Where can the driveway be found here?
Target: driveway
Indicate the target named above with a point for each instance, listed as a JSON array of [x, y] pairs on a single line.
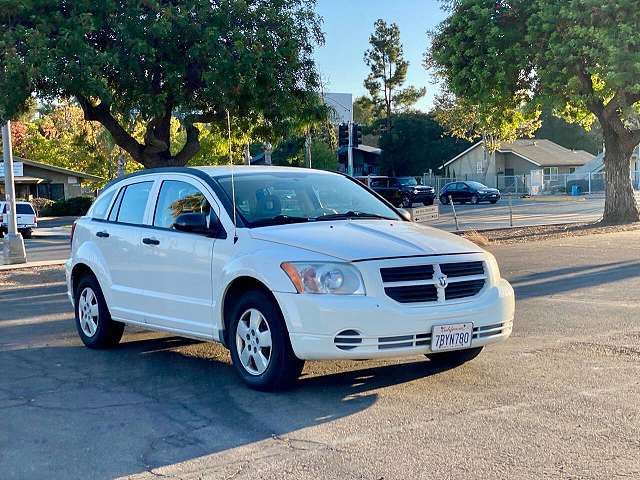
[[559, 399]]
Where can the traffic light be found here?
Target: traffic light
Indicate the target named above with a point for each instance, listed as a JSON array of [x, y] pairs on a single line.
[[343, 135], [356, 134]]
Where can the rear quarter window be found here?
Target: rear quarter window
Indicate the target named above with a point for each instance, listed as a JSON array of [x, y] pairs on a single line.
[[101, 205]]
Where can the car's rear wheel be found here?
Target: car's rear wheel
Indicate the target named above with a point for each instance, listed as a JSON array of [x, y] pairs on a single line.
[[259, 342], [93, 320], [475, 199], [26, 233], [454, 358]]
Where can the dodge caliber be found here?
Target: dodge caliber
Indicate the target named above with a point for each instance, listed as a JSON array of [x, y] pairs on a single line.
[[280, 265]]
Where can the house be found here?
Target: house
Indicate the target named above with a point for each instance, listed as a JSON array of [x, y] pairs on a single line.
[[518, 158], [596, 166], [366, 160], [36, 179]]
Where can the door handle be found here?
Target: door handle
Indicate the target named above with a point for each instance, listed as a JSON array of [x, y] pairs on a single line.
[[102, 234], [150, 241]]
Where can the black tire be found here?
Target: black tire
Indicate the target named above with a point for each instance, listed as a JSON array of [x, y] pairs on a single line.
[[493, 201], [454, 358], [444, 200], [283, 367], [406, 202], [475, 199], [26, 233], [108, 332], [428, 202]]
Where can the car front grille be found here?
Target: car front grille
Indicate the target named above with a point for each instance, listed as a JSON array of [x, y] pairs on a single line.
[[434, 283]]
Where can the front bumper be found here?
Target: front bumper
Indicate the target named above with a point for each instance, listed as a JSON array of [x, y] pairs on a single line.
[[386, 328]]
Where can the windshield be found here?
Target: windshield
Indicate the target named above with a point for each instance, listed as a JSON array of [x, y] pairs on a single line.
[[407, 181], [269, 198], [477, 185]]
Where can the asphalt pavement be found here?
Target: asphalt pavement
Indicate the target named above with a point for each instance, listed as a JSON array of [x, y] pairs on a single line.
[[557, 400]]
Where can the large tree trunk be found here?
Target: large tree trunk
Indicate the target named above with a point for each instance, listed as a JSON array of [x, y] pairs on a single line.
[[620, 205]]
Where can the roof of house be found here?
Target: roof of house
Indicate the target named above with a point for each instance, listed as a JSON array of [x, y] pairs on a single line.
[[540, 152], [363, 148], [53, 168]]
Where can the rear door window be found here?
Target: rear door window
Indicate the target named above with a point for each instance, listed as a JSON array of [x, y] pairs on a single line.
[[134, 203]]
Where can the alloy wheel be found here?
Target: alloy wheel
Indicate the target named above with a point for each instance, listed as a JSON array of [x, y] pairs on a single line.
[[253, 342], [88, 312]]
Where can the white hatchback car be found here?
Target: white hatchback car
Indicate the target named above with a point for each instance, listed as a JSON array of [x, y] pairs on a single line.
[[308, 265]]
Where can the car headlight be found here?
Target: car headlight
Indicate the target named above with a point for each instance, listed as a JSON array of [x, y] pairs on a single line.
[[332, 278]]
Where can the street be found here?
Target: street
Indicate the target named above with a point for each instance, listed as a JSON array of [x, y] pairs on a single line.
[[558, 399], [51, 239]]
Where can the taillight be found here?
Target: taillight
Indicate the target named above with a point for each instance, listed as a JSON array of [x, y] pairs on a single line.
[[73, 230]]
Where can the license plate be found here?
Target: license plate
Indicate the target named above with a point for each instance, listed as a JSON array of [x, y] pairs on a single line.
[[451, 337]]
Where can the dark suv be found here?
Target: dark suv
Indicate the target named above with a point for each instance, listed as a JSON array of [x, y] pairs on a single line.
[[403, 191]]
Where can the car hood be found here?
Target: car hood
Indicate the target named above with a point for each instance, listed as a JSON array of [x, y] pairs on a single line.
[[366, 239]]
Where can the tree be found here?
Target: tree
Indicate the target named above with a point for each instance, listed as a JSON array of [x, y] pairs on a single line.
[[569, 135], [388, 73], [580, 56], [364, 110], [144, 63], [417, 143]]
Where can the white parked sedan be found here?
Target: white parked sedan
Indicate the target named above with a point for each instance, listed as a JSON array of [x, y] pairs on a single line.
[[308, 265]]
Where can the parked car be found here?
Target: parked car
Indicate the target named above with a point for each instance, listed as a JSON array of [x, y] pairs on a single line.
[[402, 191], [26, 218], [472, 192], [309, 265]]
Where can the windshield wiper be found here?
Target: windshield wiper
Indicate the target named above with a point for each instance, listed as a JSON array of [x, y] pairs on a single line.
[[352, 214], [278, 220]]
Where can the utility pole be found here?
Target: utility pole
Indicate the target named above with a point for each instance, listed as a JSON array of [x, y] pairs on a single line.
[[13, 249], [307, 148]]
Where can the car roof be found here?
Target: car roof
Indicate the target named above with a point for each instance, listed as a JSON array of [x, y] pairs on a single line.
[[226, 170]]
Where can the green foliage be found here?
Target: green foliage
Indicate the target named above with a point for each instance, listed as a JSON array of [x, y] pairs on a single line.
[[133, 66], [569, 135], [494, 124], [323, 156], [364, 111], [388, 67], [417, 143], [73, 207]]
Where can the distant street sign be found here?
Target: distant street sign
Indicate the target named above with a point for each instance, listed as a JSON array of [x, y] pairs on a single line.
[[424, 214], [18, 169]]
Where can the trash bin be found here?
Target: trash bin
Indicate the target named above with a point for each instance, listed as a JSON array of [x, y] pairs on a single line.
[[575, 190]]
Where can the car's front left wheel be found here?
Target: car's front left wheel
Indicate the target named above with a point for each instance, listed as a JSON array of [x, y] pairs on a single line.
[[93, 320], [259, 342]]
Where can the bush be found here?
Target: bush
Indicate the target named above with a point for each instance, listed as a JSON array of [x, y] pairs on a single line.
[[41, 204], [73, 207]]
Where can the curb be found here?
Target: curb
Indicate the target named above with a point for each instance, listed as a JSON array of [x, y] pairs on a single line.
[[21, 266]]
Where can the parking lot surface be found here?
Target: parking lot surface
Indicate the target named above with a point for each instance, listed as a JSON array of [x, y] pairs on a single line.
[[558, 400]]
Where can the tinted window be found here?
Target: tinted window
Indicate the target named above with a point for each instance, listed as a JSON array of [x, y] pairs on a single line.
[[134, 202], [451, 187], [101, 205], [477, 185], [24, 209], [176, 198]]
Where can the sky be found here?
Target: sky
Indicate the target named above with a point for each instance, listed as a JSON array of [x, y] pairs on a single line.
[[347, 26]]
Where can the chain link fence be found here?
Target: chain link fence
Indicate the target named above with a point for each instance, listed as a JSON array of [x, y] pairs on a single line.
[[555, 184]]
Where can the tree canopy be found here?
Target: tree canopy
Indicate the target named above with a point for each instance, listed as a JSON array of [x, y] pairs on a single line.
[[417, 143], [145, 63], [580, 56]]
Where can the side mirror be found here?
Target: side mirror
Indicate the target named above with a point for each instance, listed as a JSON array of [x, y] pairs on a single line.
[[404, 214], [193, 223]]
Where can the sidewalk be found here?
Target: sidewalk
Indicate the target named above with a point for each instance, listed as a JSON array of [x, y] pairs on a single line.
[[42, 263]]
